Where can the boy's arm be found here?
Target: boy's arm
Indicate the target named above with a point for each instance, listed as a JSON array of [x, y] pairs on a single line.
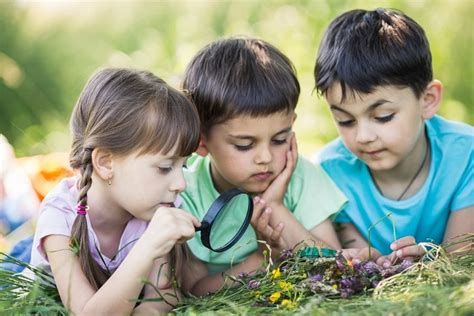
[[459, 223], [215, 282]]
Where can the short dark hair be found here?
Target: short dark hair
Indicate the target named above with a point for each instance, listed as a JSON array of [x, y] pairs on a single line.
[[363, 50], [240, 76]]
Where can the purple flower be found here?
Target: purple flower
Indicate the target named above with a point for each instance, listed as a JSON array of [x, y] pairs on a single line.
[[242, 275], [253, 284], [316, 278], [371, 267], [286, 254]]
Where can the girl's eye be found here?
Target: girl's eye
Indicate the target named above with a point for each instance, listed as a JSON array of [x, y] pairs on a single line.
[[384, 119], [346, 123], [279, 141], [165, 170], [243, 147]]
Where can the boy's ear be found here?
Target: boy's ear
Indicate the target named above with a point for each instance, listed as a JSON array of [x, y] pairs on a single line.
[[431, 99], [102, 161], [202, 148]]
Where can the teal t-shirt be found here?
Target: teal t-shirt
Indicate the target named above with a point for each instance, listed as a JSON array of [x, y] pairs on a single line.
[[311, 196], [448, 188]]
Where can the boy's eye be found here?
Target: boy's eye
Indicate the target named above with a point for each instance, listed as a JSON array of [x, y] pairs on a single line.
[[279, 141], [384, 119], [243, 147]]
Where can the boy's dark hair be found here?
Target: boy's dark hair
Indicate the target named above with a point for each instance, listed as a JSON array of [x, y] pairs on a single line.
[[240, 76], [363, 50]]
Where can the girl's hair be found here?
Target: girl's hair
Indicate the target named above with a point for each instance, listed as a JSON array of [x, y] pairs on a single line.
[[126, 112], [240, 76]]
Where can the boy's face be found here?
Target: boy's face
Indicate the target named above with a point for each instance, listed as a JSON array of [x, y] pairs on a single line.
[[249, 152], [383, 128]]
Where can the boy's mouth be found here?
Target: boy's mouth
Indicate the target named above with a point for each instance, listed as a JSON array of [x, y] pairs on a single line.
[[262, 176], [374, 153]]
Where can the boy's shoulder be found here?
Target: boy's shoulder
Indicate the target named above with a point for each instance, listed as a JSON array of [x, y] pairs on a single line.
[[444, 127], [335, 151]]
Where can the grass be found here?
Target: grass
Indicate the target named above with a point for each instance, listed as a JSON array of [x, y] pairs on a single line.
[[439, 284]]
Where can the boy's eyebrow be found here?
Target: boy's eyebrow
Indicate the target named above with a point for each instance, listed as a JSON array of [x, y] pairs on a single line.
[[371, 107], [286, 130]]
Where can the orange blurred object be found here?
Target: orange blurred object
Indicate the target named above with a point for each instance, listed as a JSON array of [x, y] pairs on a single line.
[[45, 171]]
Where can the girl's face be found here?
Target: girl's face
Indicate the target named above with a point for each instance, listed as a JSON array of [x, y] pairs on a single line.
[[142, 183], [382, 128], [249, 152]]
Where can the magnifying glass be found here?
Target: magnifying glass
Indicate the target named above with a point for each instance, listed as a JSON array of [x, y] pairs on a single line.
[[226, 220]]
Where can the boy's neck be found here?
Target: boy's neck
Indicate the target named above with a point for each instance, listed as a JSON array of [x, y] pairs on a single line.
[[406, 179]]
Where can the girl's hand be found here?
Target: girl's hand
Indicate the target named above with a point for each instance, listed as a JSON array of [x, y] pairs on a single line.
[[261, 224], [404, 248], [275, 192], [167, 227]]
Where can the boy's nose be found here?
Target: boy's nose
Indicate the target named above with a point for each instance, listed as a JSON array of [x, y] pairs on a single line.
[[365, 134], [264, 155]]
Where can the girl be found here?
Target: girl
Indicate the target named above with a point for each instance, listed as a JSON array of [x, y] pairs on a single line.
[[106, 231]]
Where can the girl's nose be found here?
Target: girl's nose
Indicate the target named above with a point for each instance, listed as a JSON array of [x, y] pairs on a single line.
[[179, 183]]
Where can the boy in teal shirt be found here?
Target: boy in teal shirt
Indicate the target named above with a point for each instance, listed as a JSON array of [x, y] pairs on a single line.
[[246, 92], [398, 163]]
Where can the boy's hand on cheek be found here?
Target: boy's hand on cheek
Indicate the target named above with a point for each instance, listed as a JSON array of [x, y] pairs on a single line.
[[275, 192]]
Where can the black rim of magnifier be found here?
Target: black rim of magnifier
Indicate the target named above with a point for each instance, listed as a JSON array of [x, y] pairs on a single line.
[[216, 207]]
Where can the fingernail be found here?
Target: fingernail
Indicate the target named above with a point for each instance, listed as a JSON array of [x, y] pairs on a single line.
[[399, 253], [393, 246], [256, 199], [386, 264], [268, 210]]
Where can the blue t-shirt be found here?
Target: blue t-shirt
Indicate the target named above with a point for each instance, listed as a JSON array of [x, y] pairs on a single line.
[[448, 188]]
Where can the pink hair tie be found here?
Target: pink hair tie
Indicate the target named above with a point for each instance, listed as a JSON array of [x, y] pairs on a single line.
[[82, 209]]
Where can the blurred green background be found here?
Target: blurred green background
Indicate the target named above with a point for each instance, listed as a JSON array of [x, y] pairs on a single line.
[[48, 49]]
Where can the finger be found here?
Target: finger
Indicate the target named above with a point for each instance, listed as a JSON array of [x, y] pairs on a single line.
[[411, 251], [276, 234], [258, 207], [403, 242], [263, 220]]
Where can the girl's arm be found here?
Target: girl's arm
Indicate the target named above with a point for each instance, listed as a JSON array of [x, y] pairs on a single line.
[[117, 295], [160, 286], [114, 297]]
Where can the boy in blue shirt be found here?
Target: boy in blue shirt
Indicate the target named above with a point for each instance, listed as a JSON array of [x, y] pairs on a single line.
[[398, 163]]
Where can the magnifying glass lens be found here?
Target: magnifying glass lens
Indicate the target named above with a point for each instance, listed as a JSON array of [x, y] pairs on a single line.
[[229, 221]]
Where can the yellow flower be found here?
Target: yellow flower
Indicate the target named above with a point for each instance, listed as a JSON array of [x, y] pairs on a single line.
[[276, 273], [288, 304], [275, 297], [334, 286], [285, 286], [258, 294]]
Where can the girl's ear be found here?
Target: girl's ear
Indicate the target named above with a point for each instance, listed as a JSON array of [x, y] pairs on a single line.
[[431, 99], [103, 163], [202, 148]]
